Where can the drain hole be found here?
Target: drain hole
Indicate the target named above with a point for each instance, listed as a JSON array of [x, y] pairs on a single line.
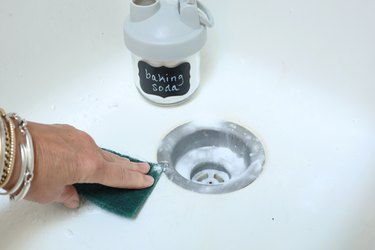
[[218, 178], [210, 173], [212, 157], [206, 166], [202, 177]]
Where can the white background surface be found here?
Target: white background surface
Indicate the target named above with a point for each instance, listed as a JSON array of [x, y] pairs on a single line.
[[299, 74]]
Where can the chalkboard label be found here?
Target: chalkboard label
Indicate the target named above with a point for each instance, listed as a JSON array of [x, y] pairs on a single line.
[[164, 81]]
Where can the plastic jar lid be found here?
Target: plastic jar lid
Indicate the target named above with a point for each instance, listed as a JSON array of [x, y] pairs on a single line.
[[165, 31]]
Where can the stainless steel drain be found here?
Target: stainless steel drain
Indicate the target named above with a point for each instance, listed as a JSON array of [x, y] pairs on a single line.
[[209, 173], [215, 157]]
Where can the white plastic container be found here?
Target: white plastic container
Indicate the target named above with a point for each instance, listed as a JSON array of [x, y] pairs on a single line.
[[165, 38]]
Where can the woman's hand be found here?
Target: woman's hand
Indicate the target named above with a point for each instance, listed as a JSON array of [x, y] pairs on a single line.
[[65, 156]]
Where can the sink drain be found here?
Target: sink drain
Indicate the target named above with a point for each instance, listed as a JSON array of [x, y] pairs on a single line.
[[210, 173], [212, 157]]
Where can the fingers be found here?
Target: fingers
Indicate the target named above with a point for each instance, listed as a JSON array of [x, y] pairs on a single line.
[[120, 172], [139, 167], [120, 176], [69, 197]]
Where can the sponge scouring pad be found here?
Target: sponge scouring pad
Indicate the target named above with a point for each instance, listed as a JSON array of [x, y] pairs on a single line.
[[123, 202]]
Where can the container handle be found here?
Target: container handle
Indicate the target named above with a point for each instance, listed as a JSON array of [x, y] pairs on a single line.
[[205, 15]]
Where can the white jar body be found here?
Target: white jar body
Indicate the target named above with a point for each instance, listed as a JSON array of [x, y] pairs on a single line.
[[167, 82]]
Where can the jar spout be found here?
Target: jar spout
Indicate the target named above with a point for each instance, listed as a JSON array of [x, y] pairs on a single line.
[[142, 9]]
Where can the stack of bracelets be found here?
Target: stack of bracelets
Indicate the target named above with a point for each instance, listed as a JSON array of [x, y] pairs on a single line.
[[8, 146]]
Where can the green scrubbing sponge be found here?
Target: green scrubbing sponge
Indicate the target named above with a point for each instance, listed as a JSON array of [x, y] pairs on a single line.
[[123, 202]]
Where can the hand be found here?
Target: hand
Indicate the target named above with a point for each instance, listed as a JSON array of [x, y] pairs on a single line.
[[65, 156]]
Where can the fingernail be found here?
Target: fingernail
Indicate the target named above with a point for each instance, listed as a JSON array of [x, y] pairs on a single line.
[[72, 204], [144, 167], [149, 180]]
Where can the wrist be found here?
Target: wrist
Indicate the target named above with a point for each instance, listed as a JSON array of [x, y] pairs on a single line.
[[17, 156]]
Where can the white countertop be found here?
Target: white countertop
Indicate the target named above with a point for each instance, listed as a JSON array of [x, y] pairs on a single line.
[[300, 75]]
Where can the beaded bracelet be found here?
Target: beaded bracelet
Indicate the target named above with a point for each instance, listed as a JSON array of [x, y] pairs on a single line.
[[10, 149], [8, 152], [20, 178], [2, 145]]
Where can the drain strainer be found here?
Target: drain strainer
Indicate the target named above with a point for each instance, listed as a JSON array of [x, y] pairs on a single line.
[[212, 157]]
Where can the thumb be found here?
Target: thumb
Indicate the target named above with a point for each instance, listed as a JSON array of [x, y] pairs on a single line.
[[69, 197]]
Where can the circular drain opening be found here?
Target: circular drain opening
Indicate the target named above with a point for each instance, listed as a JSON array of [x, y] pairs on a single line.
[[209, 173], [212, 157]]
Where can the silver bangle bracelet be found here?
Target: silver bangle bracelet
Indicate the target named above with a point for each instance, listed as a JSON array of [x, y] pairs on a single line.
[[23, 170], [27, 165], [29, 173]]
